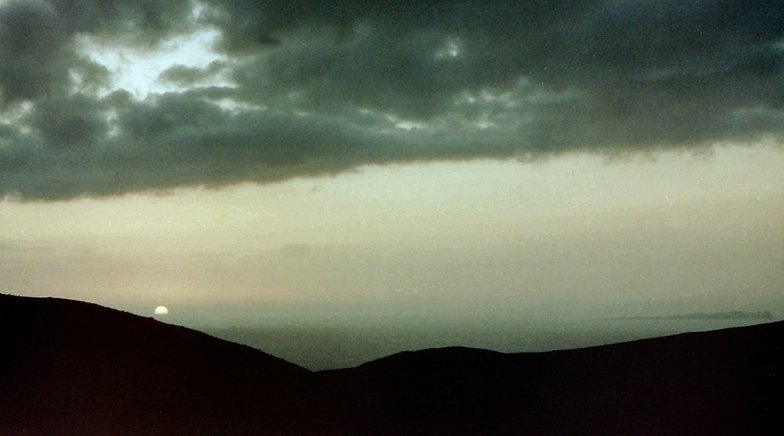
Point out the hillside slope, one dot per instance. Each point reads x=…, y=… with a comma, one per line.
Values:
x=79, y=368
x=721, y=382
x=69, y=367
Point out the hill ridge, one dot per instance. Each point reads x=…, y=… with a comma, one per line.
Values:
x=72, y=367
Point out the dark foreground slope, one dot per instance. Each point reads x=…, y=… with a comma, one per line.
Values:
x=79, y=368
x=76, y=368
x=722, y=382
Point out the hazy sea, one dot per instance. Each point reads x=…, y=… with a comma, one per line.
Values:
x=330, y=347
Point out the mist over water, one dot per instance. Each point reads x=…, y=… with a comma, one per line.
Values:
x=344, y=346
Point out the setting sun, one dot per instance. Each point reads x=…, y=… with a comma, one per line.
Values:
x=161, y=310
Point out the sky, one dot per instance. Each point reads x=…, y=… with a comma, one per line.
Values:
x=242, y=161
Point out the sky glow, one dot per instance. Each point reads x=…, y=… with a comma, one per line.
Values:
x=446, y=160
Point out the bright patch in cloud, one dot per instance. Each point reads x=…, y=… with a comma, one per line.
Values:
x=137, y=70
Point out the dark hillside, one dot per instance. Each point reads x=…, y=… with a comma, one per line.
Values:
x=722, y=382
x=80, y=368
x=69, y=367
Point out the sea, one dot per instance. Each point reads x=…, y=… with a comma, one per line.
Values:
x=324, y=347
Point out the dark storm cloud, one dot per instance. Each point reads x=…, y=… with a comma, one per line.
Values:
x=320, y=87
x=176, y=140
x=141, y=20
x=64, y=122
x=33, y=50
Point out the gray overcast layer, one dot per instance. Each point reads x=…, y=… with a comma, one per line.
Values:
x=321, y=87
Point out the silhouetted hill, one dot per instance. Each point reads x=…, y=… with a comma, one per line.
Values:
x=77, y=368
x=721, y=382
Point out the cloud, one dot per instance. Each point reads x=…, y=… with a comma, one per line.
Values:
x=33, y=49
x=64, y=122
x=314, y=88
x=189, y=76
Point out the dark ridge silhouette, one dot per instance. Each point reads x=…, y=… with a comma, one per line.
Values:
x=76, y=368
x=70, y=367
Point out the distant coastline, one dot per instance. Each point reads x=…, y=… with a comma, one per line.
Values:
x=732, y=315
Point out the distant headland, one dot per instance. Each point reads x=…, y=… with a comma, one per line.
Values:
x=731, y=315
